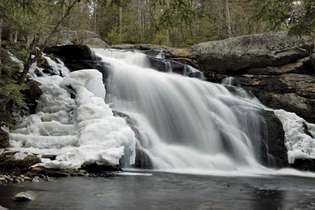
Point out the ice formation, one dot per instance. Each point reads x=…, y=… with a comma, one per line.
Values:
x=299, y=136
x=74, y=123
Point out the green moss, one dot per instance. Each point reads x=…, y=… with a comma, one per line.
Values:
x=11, y=91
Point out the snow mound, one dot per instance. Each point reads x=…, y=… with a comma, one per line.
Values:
x=74, y=123
x=299, y=136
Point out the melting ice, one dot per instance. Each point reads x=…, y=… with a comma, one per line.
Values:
x=74, y=123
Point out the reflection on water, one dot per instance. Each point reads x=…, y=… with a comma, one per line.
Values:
x=166, y=191
x=272, y=198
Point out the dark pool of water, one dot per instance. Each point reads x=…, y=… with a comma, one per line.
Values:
x=166, y=191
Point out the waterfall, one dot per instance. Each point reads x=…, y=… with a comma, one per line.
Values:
x=184, y=123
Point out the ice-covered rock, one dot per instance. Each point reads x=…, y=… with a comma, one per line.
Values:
x=74, y=124
x=299, y=136
x=24, y=196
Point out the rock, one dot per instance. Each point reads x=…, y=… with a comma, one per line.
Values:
x=166, y=65
x=51, y=157
x=275, y=67
x=292, y=92
x=297, y=67
x=3, y=208
x=4, y=139
x=24, y=196
x=32, y=94
x=304, y=164
x=9, y=164
x=36, y=179
x=95, y=43
x=142, y=159
x=99, y=169
x=50, y=172
x=182, y=55
x=251, y=51
x=274, y=152
x=77, y=57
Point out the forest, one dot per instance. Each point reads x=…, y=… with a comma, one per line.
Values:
x=176, y=23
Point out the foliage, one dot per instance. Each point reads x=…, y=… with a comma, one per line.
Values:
x=11, y=90
x=297, y=16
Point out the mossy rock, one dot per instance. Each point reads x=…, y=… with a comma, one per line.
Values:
x=9, y=164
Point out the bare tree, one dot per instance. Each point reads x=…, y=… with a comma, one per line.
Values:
x=227, y=18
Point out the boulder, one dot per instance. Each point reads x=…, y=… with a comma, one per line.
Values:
x=4, y=138
x=237, y=54
x=95, y=43
x=24, y=196
x=77, y=57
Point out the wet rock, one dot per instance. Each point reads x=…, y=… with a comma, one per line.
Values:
x=142, y=159
x=4, y=139
x=42, y=171
x=10, y=164
x=304, y=164
x=274, y=151
x=24, y=196
x=94, y=168
x=51, y=157
x=167, y=65
x=292, y=92
x=31, y=94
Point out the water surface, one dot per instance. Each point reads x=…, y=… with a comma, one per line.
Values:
x=166, y=191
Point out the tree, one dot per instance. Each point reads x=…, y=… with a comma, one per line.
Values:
x=297, y=16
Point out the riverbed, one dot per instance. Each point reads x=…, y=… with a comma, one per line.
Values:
x=134, y=191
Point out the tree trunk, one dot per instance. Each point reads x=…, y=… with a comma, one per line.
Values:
x=228, y=18
x=15, y=37
x=1, y=23
x=168, y=39
x=120, y=23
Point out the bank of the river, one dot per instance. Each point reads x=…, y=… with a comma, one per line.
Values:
x=166, y=191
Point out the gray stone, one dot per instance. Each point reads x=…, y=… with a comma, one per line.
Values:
x=4, y=138
x=95, y=43
x=24, y=196
x=251, y=51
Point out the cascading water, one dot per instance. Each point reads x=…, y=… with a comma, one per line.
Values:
x=184, y=123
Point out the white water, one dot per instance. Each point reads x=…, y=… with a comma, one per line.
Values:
x=185, y=124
